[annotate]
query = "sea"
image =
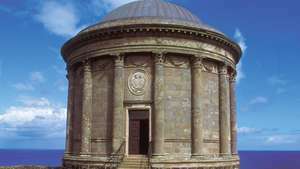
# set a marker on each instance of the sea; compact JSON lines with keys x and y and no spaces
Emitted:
{"x":249,"y":159}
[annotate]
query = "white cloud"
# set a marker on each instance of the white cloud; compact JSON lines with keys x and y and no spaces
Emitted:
{"x":242,"y":43}
{"x":101,"y":7}
{"x":113,"y":3}
{"x":59,"y":70}
{"x":29,"y":101}
{"x":37,"y":117}
{"x":247,"y":130}
{"x":282,"y":139}
{"x":59,"y":18}
{"x":37,"y":77}
{"x":240,"y":72}
{"x":276,"y":80}
{"x":279,"y":82}
{"x":23,"y":86}
{"x":34,"y":78}
{"x":241,"y":40}
{"x":259,"y":100}
{"x":61,"y":85}
{"x":5,"y":9}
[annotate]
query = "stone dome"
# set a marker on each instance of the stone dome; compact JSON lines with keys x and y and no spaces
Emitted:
{"x":150,"y":12}
{"x":152,"y":9}
{"x":138,"y":85}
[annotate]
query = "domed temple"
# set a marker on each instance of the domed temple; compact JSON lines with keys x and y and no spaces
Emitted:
{"x":151,"y":86}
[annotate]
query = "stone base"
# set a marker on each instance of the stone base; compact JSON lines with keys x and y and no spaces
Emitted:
{"x":74,"y":162}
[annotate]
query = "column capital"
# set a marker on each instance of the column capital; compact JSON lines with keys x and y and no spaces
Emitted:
{"x":159,"y":57}
{"x":232,"y":77}
{"x":197,"y":62}
{"x":223,"y":68}
{"x":119,"y":59}
{"x":86,"y":65}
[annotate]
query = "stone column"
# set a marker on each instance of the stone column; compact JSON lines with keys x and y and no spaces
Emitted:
{"x":224,"y":111}
{"x":86,"y":108}
{"x":197,"y":114}
{"x":159,"y":106}
{"x":118,"y":131}
{"x":233,"y":123}
{"x":70,"y":110}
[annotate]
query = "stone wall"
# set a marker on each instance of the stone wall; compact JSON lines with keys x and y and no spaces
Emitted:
{"x":177,"y":106}
{"x":102,"y":106}
{"x":77,"y":114}
{"x":211,"y":112}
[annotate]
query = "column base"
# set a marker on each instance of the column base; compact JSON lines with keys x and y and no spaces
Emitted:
{"x":157,"y":155}
{"x":226,"y":155}
{"x":84,"y":155}
{"x":198,"y":156}
{"x":67,"y":153}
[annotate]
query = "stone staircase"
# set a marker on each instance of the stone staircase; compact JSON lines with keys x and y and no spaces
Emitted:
{"x":134,"y":162}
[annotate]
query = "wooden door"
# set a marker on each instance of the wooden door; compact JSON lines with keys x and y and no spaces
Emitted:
{"x":134,"y":136}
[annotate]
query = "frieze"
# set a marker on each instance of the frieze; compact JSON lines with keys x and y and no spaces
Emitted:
{"x":137,"y":61}
{"x":210,"y":67}
{"x":102,"y":64}
{"x":146,"y":44}
{"x":177,"y":61}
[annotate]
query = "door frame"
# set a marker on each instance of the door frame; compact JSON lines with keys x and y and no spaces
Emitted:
{"x":142,"y":107}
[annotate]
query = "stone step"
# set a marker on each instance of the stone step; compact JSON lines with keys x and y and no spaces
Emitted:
{"x":133,"y":166}
{"x":134,"y":162}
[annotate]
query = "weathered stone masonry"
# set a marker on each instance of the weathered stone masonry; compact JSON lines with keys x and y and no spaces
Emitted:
{"x":166,"y":83}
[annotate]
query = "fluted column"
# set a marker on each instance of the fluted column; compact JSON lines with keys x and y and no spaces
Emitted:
{"x":86,"y":108}
{"x":224,"y":111}
{"x":233,"y":123}
{"x":197,"y":114}
{"x":118,"y":99}
{"x":159,"y":106}
{"x":70,"y":110}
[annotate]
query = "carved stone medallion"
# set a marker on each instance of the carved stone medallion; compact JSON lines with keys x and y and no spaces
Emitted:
{"x":137,"y":81}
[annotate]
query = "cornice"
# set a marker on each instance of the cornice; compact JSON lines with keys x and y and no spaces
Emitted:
{"x":144,"y":30}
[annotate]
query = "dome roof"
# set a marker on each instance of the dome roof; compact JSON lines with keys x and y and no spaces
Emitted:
{"x":150,"y":12}
{"x":152,"y":9}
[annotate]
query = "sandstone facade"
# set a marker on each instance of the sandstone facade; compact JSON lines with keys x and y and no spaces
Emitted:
{"x":178,"y":79}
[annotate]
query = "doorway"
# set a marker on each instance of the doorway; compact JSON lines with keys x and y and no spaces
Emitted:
{"x":138,"y":132}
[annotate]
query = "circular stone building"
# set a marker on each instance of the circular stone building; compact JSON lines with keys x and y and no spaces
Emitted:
{"x":151,"y":86}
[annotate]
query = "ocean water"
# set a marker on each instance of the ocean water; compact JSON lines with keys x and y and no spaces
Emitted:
{"x":249,"y":159}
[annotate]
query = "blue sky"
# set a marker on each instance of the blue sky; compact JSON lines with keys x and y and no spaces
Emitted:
{"x":34,"y":88}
